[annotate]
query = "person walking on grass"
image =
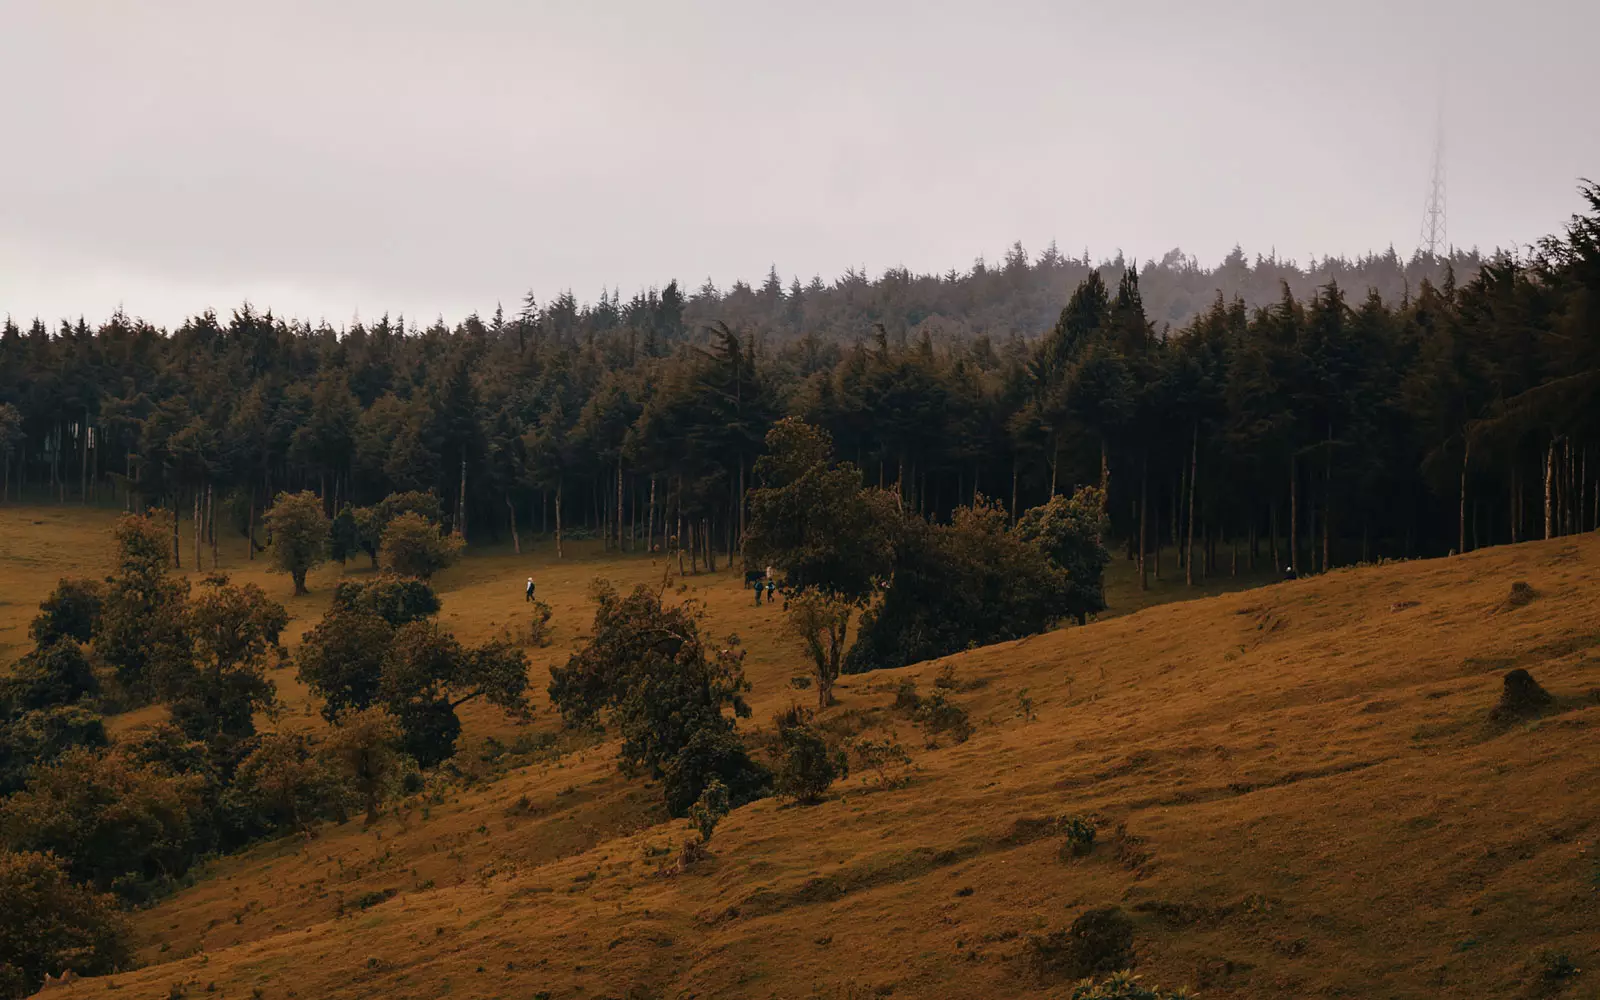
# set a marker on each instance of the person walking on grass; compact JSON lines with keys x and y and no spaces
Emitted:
{"x":772,"y":587}
{"x":527,"y":595}
{"x":758,"y":593}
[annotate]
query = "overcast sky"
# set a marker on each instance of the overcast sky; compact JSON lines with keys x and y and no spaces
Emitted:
{"x":333,"y":157}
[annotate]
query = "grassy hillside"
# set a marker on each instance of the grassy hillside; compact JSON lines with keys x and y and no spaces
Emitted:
{"x":1297,"y":791}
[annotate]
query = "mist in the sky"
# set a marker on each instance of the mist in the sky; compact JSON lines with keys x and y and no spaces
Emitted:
{"x":324,"y":159}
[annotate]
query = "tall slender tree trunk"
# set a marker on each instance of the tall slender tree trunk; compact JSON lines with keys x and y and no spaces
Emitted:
{"x":711,"y":554}
{"x":177,"y":545}
{"x":461,"y":501}
{"x":1055,"y":461}
{"x":619,"y":500}
{"x":211,"y":523}
{"x":199,"y":526}
{"x":1294,"y":515}
{"x":1013,"y":495}
{"x":1144,"y":477}
{"x":1272,"y":523}
{"x":1466,"y":456}
{"x":558,"y":515}
{"x":1514,"y":504}
{"x":1549,"y":474}
{"x":516,"y":540}
{"x":1194,"y":472}
{"x":650,"y":522}
{"x":250,"y":529}
{"x":1158,"y":541}
{"x":83,"y":443}
{"x":1105,"y":474}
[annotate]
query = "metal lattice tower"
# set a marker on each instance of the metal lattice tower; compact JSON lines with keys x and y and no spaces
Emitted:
{"x":1434,"y":240}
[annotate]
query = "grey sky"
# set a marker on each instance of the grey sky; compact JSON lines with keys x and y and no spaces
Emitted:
{"x":329,"y":157}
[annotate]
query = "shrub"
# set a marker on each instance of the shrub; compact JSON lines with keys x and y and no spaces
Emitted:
{"x":396,"y":599}
{"x":1123,"y":986}
{"x":939,"y":716}
{"x":886,"y":759}
{"x":710,"y":808}
{"x":803,"y":766}
{"x":56,"y":673}
{"x":1098,"y":942}
{"x":49,"y":924}
{"x":414,"y":546}
{"x":38,"y":738}
{"x":906,"y":698}
{"x":362,"y":748}
{"x":72,"y":611}
{"x":286,"y":785}
{"x":971,"y":582}
{"x":1078,"y":834}
{"x":538,"y":631}
{"x":106,"y":817}
{"x":1071,"y":532}
{"x":713,"y":755}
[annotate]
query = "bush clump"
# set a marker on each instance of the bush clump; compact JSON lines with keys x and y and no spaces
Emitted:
{"x":1098,"y":942}
{"x":1123,"y":986}
{"x":1078,"y":836}
{"x":803,"y":766}
{"x":49,"y":924}
{"x":886,"y":759}
{"x":939,"y":716}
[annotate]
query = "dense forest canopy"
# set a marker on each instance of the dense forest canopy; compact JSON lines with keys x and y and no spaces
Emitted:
{"x":1364,"y":408}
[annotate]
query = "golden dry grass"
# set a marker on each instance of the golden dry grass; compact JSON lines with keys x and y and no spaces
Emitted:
{"x":1314,"y":803}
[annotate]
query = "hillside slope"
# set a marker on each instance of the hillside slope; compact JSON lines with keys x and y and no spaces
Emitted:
{"x":1298,"y":792}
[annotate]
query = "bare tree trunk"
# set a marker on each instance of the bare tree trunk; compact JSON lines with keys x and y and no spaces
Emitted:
{"x":211,"y":523}
{"x":83,"y":446}
{"x":1194,"y":471}
{"x":650,"y":522}
{"x":1294,"y":515}
{"x":1013,"y":492}
{"x":1466,"y":456}
{"x":251,"y":529}
{"x":1516,"y":509}
{"x":1549,"y":473}
{"x":461,"y":502}
{"x":1144,"y":507}
{"x":1158,"y":540}
{"x":558,"y":517}
{"x":1327,"y":500}
{"x":711,"y":553}
{"x":516,"y":541}
{"x":1105,"y":474}
{"x":1055,"y":461}
{"x":1272,"y":518}
{"x":177,"y":544}
{"x":199,"y":526}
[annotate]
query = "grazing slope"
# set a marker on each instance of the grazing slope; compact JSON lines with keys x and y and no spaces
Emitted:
{"x":1298,"y":790}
